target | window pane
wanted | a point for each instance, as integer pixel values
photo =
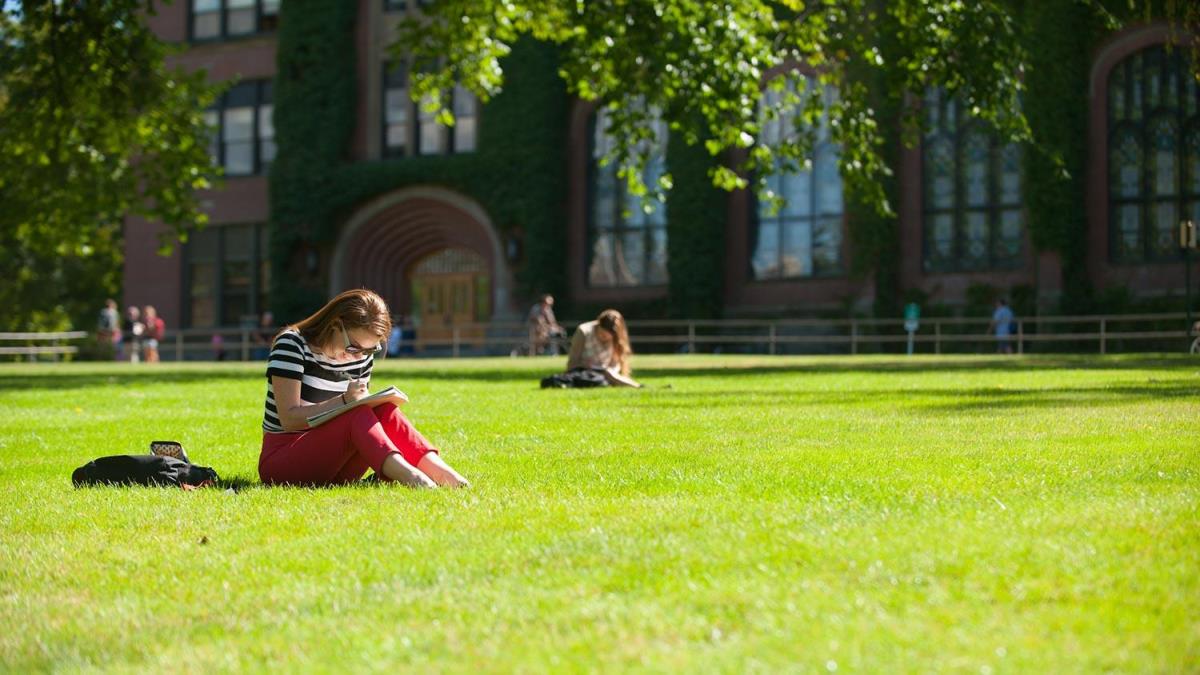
(797, 189)
(604, 198)
(829, 181)
(266, 121)
(239, 124)
(975, 240)
(1128, 241)
(631, 259)
(1164, 172)
(432, 139)
(202, 245)
(239, 21)
(1010, 175)
(765, 260)
(827, 246)
(939, 167)
(940, 244)
(797, 248)
(1165, 223)
(270, 7)
(1008, 238)
(202, 294)
(464, 134)
(239, 158)
(1192, 162)
(975, 169)
(205, 26)
(600, 271)
(656, 272)
(1125, 165)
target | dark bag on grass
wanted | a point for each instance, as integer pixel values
(577, 378)
(142, 470)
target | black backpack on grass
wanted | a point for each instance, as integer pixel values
(153, 470)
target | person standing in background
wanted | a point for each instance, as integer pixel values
(108, 328)
(135, 329)
(155, 329)
(543, 326)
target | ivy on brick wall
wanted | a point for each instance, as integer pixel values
(517, 175)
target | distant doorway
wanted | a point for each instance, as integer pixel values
(451, 289)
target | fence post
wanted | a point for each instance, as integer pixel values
(691, 337)
(1103, 337)
(937, 337)
(456, 342)
(853, 336)
(179, 345)
(772, 338)
(245, 345)
(1020, 337)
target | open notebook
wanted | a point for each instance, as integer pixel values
(390, 392)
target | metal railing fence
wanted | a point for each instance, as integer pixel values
(936, 335)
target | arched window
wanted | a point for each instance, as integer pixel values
(973, 215)
(627, 234)
(804, 237)
(1153, 154)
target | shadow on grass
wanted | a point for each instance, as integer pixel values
(533, 373)
(924, 400)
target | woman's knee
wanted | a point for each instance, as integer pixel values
(384, 409)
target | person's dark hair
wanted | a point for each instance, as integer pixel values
(612, 321)
(356, 309)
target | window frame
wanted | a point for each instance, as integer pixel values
(412, 146)
(222, 13)
(1142, 125)
(258, 291)
(993, 210)
(620, 223)
(263, 95)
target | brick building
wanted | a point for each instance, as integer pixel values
(439, 250)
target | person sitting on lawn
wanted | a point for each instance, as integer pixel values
(322, 363)
(602, 346)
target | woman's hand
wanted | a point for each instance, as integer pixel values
(355, 390)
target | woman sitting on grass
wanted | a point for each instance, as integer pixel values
(603, 346)
(324, 362)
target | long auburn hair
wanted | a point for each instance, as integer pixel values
(356, 309)
(612, 321)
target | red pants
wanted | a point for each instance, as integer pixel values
(341, 450)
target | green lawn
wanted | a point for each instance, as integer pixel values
(740, 514)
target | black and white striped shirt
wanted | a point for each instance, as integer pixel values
(320, 379)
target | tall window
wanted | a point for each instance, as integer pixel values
(627, 235)
(226, 275)
(973, 213)
(243, 140)
(409, 130)
(216, 19)
(1153, 154)
(804, 237)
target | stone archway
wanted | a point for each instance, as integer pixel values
(385, 239)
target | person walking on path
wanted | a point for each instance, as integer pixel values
(1002, 326)
(323, 363)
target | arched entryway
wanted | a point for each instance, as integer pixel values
(431, 253)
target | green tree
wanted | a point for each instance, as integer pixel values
(703, 65)
(95, 128)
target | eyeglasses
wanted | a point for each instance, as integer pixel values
(355, 349)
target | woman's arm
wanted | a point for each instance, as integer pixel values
(292, 410)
